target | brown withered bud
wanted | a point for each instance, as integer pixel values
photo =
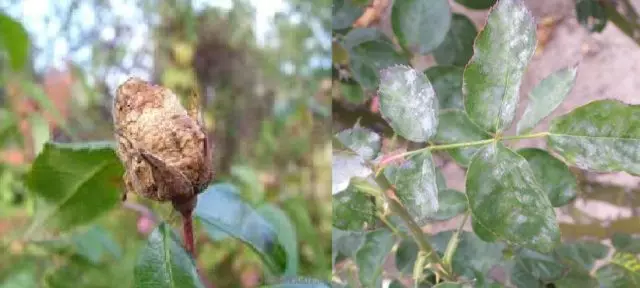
(163, 147)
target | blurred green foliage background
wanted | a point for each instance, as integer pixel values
(262, 70)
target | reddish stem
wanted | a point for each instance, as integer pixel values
(187, 233)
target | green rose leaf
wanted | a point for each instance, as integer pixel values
(346, 243)
(472, 255)
(420, 25)
(477, 4)
(449, 285)
(617, 276)
(546, 97)
(507, 202)
(344, 167)
(576, 276)
(415, 183)
(15, 41)
(163, 262)
(286, 235)
(502, 51)
(583, 253)
(406, 255)
(300, 283)
(455, 127)
(457, 47)
(353, 210)
(591, 15)
(441, 182)
(447, 82)
(603, 136)
(371, 256)
(552, 174)
(452, 203)
(345, 12)
(541, 267)
(363, 141)
(408, 102)
(626, 243)
(76, 183)
(221, 208)
(369, 52)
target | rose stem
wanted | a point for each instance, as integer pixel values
(187, 233)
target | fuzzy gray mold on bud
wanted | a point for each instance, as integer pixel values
(163, 147)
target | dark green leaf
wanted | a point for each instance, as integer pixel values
(369, 52)
(603, 136)
(371, 256)
(507, 202)
(344, 167)
(553, 175)
(452, 203)
(353, 210)
(472, 255)
(165, 263)
(626, 243)
(591, 15)
(457, 47)
(76, 183)
(345, 12)
(447, 82)
(546, 97)
(441, 182)
(220, 206)
(352, 92)
(520, 277)
(542, 267)
(477, 4)
(616, 276)
(582, 253)
(15, 40)
(408, 102)
(346, 243)
(415, 183)
(502, 51)
(363, 141)
(455, 127)
(286, 235)
(396, 284)
(420, 25)
(406, 255)
(576, 276)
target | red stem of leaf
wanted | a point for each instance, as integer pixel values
(187, 233)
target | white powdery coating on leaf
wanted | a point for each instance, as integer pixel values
(345, 167)
(408, 102)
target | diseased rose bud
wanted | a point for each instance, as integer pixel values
(163, 147)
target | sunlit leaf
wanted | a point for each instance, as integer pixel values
(221, 207)
(420, 25)
(408, 102)
(163, 262)
(603, 136)
(502, 51)
(415, 183)
(507, 202)
(553, 175)
(76, 183)
(546, 97)
(15, 41)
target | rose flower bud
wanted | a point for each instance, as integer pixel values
(163, 147)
